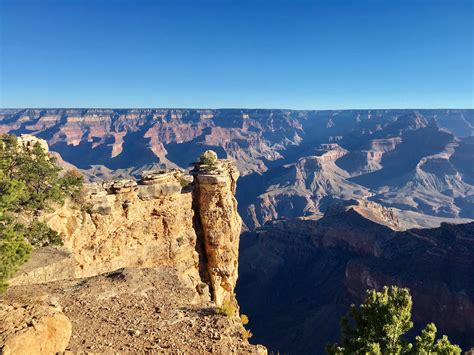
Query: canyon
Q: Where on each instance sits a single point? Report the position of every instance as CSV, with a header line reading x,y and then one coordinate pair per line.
x,y
330,203
293,163
299,277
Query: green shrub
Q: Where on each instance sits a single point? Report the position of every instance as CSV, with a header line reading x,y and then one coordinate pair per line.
x,y
208,161
72,184
40,235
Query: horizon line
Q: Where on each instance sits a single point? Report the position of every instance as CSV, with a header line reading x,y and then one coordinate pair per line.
x,y
230,108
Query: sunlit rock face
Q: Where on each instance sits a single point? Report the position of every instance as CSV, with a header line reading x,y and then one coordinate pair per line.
x,y
159,254
219,221
167,218
33,329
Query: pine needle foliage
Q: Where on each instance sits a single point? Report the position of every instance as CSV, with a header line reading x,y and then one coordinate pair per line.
x,y
30,182
379,324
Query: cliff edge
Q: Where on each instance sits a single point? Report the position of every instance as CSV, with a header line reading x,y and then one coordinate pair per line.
x,y
145,264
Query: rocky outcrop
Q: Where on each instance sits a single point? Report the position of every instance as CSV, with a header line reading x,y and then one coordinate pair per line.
x,y
35,329
378,214
167,218
126,224
27,141
181,230
219,222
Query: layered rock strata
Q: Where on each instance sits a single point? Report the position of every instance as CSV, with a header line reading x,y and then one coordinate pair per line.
x,y
292,162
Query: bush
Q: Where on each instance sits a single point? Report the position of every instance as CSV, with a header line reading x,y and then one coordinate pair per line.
x,y
208,161
228,309
40,235
72,184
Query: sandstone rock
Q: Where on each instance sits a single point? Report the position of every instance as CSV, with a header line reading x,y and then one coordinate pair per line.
x,y
45,265
102,204
147,227
149,192
33,329
123,186
221,226
152,223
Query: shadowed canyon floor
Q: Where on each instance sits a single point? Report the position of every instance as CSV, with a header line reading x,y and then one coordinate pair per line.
x,y
297,278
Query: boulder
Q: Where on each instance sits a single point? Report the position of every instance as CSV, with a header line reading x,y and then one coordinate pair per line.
x,y
33,329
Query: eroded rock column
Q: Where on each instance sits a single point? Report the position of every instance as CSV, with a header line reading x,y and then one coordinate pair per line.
x,y
220,223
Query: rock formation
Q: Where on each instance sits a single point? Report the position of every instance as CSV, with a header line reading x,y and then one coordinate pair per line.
x,y
159,220
28,141
311,271
219,222
185,227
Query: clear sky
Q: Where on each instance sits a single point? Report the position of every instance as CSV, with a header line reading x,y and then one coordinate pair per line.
x,y
243,53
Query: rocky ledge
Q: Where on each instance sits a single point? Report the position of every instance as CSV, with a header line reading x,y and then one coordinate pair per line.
x,y
130,310
185,228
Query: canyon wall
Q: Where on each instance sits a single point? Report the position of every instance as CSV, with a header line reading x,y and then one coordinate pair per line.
x,y
297,278
292,162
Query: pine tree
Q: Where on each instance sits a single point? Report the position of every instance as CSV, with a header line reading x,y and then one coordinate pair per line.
x,y
30,182
14,251
379,324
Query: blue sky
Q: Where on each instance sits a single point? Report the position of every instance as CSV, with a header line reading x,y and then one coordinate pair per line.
x,y
247,53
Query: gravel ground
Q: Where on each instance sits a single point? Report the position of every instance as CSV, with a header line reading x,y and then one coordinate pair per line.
x,y
137,310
